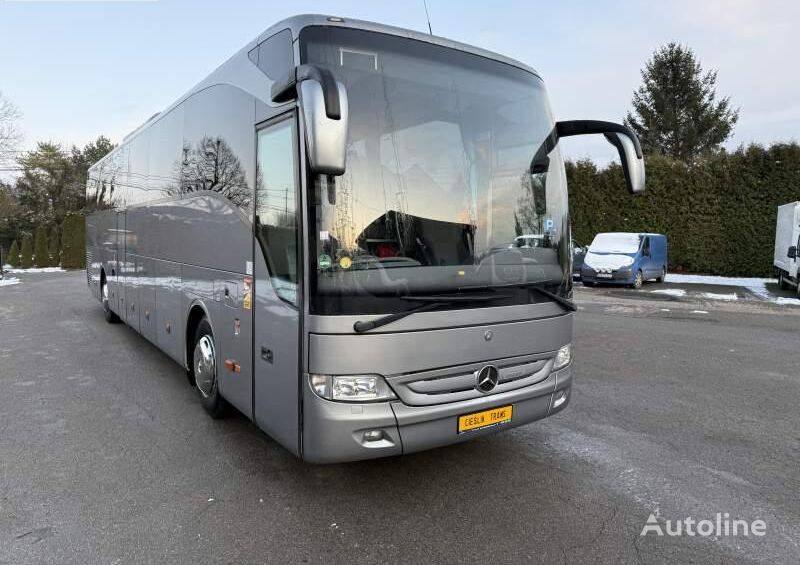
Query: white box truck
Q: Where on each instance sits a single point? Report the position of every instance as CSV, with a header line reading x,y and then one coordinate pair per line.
x,y
787,242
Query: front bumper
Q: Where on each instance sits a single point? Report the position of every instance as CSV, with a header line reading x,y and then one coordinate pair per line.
x,y
335,431
617,276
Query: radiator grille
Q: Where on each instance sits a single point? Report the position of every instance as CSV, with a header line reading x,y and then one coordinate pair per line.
x,y
454,384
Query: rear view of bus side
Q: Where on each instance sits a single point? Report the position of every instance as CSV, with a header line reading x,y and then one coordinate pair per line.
x,y
354,234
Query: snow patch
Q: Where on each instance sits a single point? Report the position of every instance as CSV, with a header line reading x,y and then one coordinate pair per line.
x,y
716,296
755,285
670,291
790,301
9,281
699,311
36,270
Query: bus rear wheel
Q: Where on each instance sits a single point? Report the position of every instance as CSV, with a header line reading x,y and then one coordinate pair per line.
x,y
204,367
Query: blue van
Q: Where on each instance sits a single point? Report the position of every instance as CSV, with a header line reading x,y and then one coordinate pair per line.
x,y
625,258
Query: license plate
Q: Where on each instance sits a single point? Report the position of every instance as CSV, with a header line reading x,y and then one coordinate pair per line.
x,y
604,275
484,419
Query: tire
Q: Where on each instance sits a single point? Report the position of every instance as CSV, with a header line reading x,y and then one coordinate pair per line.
x,y
110,317
205,368
663,275
638,280
782,281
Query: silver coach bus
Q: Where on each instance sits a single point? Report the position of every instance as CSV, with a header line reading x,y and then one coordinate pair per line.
x,y
323,232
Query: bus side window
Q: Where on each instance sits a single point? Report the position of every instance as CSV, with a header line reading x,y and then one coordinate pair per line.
x,y
276,206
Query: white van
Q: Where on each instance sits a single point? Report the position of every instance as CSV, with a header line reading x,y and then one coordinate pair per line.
x,y
787,242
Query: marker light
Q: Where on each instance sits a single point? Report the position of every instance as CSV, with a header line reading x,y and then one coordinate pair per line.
x,y
355,388
563,357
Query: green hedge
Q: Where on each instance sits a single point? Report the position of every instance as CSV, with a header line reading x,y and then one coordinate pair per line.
x,y
719,215
73,251
54,248
26,253
41,258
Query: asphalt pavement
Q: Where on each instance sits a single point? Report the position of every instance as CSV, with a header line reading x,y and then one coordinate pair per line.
x,y
679,409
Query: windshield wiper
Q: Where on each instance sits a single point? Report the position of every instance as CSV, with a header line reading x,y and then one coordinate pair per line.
x,y
565,303
429,302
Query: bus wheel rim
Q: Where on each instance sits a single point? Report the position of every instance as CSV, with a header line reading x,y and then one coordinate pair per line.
x,y
205,369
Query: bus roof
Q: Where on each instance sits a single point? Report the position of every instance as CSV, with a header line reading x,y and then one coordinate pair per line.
x,y
240,72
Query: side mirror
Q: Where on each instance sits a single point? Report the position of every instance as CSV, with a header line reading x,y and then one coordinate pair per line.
x,y
792,254
323,101
621,137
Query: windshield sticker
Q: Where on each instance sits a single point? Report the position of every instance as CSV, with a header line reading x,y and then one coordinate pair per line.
x,y
324,235
345,262
324,261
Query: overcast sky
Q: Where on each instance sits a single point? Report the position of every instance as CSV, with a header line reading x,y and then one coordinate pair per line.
x,y
80,69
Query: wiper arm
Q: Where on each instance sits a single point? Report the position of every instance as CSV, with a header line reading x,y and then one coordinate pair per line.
x,y
560,300
428,303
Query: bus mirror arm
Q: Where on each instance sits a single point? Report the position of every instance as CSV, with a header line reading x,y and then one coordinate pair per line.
x,y
618,135
323,101
285,88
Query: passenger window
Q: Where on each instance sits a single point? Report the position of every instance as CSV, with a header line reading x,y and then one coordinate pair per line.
x,y
276,206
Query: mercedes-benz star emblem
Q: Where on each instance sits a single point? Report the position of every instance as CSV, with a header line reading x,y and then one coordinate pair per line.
x,y
487,378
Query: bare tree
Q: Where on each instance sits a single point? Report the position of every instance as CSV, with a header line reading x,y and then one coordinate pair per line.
x,y
10,136
213,166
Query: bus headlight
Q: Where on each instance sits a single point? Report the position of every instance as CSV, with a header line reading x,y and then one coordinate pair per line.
x,y
355,388
563,357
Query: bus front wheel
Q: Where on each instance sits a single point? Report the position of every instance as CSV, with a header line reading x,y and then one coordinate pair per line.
x,y
110,317
204,367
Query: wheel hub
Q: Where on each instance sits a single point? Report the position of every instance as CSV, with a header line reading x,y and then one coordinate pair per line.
x,y
205,366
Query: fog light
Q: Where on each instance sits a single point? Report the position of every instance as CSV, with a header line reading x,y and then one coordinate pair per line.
x,y
373,435
560,397
563,357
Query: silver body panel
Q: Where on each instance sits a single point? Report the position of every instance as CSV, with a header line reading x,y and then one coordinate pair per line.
x,y
167,259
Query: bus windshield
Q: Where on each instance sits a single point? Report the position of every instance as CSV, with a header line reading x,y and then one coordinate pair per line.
x,y
439,194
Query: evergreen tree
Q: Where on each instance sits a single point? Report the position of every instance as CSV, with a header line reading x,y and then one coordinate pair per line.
x,y
675,110
54,247
13,254
26,253
41,257
73,253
